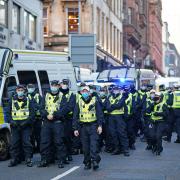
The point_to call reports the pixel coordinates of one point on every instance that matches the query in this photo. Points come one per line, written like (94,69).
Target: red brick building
(155,33)
(142,32)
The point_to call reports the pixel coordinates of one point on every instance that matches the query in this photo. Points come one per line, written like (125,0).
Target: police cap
(54,82)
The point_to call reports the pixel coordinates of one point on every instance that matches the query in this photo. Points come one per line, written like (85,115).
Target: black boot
(13,163)
(60,164)
(43,163)
(29,162)
(177,141)
(95,165)
(87,166)
(149,147)
(69,158)
(132,147)
(116,152)
(126,153)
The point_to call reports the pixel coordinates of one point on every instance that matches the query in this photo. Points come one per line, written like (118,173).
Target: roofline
(38,52)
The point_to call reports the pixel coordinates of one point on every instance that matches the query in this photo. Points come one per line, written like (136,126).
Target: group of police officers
(61,123)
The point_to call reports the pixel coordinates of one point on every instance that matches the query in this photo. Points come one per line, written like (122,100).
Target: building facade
(21,24)
(100,17)
(171,57)
(155,34)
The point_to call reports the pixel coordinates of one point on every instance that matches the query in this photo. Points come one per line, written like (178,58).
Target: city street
(141,165)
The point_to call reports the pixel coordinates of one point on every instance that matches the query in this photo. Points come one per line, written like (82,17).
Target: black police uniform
(36,134)
(88,128)
(52,132)
(20,114)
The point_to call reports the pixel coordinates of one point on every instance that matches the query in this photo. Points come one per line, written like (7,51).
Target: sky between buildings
(171,14)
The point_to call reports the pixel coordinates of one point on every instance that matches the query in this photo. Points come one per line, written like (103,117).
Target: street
(141,165)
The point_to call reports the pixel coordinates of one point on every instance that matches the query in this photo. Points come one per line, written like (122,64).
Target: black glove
(91,107)
(13,124)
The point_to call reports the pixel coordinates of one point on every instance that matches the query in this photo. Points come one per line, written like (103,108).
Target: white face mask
(116,92)
(152,96)
(64,87)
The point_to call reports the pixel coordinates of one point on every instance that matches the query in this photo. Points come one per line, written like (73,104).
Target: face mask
(116,92)
(152,96)
(85,95)
(102,94)
(31,90)
(20,93)
(54,89)
(64,87)
(143,88)
(91,91)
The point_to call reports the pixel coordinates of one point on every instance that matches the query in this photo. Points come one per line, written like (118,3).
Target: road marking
(65,173)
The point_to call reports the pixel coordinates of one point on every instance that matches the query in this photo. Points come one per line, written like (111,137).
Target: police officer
(20,116)
(139,116)
(34,96)
(175,102)
(158,124)
(147,112)
(71,102)
(131,110)
(87,121)
(118,127)
(105,136)
(52,131)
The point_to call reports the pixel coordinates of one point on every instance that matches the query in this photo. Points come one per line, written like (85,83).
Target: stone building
(100,17)
(21,24)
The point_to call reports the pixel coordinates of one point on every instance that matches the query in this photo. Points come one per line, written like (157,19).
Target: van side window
(44,81)
(9,88)
(26,77)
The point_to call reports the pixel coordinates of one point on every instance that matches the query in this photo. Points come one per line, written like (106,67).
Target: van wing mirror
(6,55)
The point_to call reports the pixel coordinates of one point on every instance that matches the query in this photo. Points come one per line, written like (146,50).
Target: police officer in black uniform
(71,102)
(87,122)
(52,132)
(34,96)
(20,116)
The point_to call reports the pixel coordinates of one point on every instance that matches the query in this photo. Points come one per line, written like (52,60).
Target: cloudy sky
(171,14)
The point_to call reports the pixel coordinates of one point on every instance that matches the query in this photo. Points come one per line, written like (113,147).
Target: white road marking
(65,173)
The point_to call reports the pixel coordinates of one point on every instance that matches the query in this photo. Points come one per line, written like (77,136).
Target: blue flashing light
(122,80)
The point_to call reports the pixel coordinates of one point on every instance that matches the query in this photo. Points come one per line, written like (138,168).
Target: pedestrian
(52,132)
(20,116)
(87,122)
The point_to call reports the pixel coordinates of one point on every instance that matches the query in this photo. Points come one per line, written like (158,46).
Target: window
(98,25)
(9,88)
(129,15)
(73,20)
(29,26)
(45,20)
(44,81)
(3,12)
(26,77)
(16,18)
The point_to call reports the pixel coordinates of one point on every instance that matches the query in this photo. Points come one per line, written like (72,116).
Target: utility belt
(87,123)
(53,121)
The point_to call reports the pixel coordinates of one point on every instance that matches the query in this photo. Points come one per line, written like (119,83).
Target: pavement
(141,165)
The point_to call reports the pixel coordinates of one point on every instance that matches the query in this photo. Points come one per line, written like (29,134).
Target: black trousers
(21,142)
(130,121)
(176,116)
(36,133)
(68,135)
(89,139)
(118,129)
(147,126)
(156,130)
(52,133)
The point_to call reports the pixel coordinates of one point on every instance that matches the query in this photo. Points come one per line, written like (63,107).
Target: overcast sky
(171,14)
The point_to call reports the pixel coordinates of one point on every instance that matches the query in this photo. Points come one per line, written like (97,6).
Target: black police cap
(54,82)
(65,81)
(20,86)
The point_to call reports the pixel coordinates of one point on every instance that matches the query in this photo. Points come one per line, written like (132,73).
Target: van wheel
(4,153)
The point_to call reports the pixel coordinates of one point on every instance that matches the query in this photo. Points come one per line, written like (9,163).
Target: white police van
(24,67)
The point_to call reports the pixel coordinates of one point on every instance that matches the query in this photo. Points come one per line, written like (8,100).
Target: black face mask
(64,90)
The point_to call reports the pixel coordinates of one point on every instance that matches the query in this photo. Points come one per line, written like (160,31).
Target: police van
(24,67)
(127,76)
